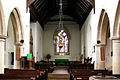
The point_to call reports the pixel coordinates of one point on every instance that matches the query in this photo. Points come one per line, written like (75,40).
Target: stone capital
(3,37)
(100,45)
(18,44)
(115,38)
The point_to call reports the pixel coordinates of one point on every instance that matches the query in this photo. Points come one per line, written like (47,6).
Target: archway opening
(116,29)
(10,46)
(14,41)
(104,42)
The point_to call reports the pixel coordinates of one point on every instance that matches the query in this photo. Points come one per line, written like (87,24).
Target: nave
(34,34)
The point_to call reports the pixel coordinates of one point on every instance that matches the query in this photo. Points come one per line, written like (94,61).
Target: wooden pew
(80,74)
(20,74)
(84,74)
(18,77)
(25,73)
(78,65)
(44,65)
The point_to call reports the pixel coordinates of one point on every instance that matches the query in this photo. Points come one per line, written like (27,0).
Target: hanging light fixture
(60,26)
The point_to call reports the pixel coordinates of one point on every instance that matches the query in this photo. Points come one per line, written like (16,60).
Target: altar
(61,62)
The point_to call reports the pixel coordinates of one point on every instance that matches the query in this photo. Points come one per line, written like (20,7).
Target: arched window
(61,42)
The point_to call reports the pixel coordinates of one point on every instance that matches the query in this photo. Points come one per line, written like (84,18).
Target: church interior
(59,39)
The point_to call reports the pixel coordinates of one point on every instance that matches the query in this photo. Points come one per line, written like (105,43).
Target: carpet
(60,73)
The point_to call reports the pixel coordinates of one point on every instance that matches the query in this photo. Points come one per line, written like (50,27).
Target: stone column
(2,55)
(100,56)
(116,55)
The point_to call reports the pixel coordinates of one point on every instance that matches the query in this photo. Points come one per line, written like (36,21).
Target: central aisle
(60,70)
(59,73)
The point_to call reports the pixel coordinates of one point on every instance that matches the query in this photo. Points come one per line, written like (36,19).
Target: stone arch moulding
(116,28)
(103,28)
(102,35)
(99,25)
(18,27)
(3,32)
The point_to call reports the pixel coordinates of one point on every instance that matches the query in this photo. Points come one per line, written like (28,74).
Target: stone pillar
(100,56)
(2,55)
(116,55)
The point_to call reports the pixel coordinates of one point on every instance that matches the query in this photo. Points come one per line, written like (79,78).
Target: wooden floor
(60,73)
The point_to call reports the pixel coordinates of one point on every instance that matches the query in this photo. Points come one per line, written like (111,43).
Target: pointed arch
(18,27)
(103,35)
(116,29)
(103,27)
(18,31)
(3,33)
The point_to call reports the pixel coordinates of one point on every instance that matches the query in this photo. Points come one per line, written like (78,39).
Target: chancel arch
(103,43)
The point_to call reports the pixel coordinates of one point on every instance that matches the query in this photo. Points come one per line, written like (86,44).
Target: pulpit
(27,64)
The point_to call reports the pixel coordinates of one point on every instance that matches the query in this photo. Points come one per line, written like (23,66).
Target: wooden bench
(84,74)
(80,66)
(44,65)
(80,74)
(18,77)
(24,74)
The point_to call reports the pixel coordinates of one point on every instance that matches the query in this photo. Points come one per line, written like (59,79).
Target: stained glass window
(62,42)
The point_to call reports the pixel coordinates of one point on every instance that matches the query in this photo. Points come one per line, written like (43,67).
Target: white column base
(116,57)
(2,56)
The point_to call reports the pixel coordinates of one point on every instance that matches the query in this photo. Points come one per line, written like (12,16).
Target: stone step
(58,76)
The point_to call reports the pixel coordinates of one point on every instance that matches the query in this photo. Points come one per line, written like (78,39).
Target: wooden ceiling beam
(45,9)
(83,9)
(40,4)
(41,8)
(32,10)
(37,2)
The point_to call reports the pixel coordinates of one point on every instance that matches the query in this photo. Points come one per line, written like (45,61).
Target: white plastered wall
(73,29)
(37,33)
